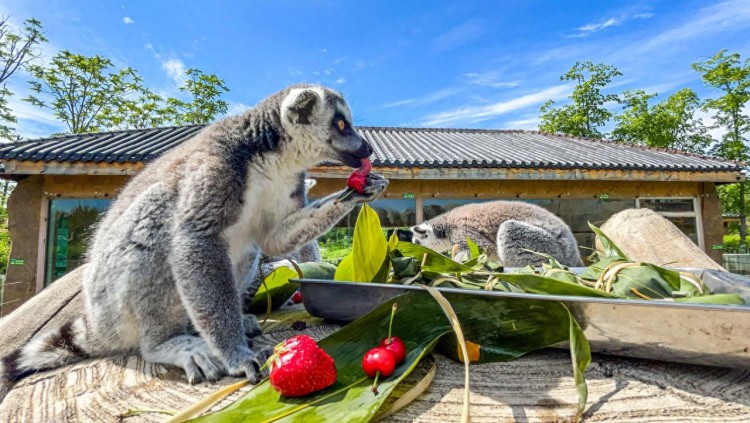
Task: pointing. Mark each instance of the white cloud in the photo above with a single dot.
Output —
(175, 69)
(340, 81)
(528, 123)
(127, 20)
(588, 28)
(468, 31)
(591, 28)
(427, 99)
(732, 15)
(33, 122)
(236, 108)
(489, 79)
(473, 114)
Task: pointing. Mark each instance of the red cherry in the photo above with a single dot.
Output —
(358, 178)
(378, 360)
(357, 182)
(396, 346)
(297, 297)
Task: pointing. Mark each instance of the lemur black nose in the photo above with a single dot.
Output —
(364, 150)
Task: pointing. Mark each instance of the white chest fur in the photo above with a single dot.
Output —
(267, 200)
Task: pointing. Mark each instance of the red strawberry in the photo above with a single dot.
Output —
(297, 297)
(395, 345)
(358, 178)
(300, 367)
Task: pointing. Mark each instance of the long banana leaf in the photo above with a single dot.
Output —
(369, 249)
(503, 329)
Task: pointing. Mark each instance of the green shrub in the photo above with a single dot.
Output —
(732, 242)
(4, 250)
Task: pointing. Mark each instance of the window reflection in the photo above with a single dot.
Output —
(71, 224)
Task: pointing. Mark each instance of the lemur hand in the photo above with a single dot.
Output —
(374, 186)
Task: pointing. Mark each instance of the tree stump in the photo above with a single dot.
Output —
(645, 236)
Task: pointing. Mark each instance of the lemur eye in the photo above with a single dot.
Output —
(341, 123)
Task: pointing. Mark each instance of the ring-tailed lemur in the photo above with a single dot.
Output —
(175, 245)
(505, 230)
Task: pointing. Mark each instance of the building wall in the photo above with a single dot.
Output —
(711, 219)
(27, 224)
(29, 201)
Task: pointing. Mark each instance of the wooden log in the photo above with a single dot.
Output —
(645, 236)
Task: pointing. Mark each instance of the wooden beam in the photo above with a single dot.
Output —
(14, 167)
(533, 174)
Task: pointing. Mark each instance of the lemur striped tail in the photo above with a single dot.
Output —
(46, 351)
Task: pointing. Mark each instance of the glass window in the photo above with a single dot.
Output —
(435, 207)
(577, 213)
(680, 211)
(70, 227)
(668, 205)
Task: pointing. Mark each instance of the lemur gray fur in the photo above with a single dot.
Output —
(185, 233)
(505, 230)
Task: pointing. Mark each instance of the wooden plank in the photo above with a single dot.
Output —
(77, 168)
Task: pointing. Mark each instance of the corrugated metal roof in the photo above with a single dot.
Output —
(399, 147)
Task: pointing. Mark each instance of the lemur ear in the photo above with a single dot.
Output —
(303, 107)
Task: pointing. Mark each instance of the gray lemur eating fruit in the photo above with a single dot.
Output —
(186, 232)
(507, 230)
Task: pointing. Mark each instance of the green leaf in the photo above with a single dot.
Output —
(403, 267)
(580, 355)
(645, 280)
(545, 285)
(279, 288)
(345, 269)
(733, 299)
(610, 249)
(369, 249)
(435, 261)
(317, 270)
(503, 328)
(473, 248)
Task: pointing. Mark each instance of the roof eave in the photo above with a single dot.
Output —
(22, 167)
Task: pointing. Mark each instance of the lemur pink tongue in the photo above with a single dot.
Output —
(358, 178)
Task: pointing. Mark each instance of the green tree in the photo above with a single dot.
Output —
(82, 91)
(17, 51)
(205, 104)
(587, 112)
(726, 73)
(142, 109)
(668, 124)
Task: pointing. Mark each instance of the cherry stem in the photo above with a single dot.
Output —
(375, 384)
(390, 324)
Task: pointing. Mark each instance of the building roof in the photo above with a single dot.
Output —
(394, 147)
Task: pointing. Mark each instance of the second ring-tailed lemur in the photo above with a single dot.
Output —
(175, 245)
(506, 230)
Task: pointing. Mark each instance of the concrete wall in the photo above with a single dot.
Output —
(29, 202)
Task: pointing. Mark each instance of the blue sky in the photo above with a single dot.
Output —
(469, 64)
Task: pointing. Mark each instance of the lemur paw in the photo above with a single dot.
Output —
(202, 366)
(374, 186)
(251, 364)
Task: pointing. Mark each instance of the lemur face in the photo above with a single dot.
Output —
(425, 234)
(320, 118)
